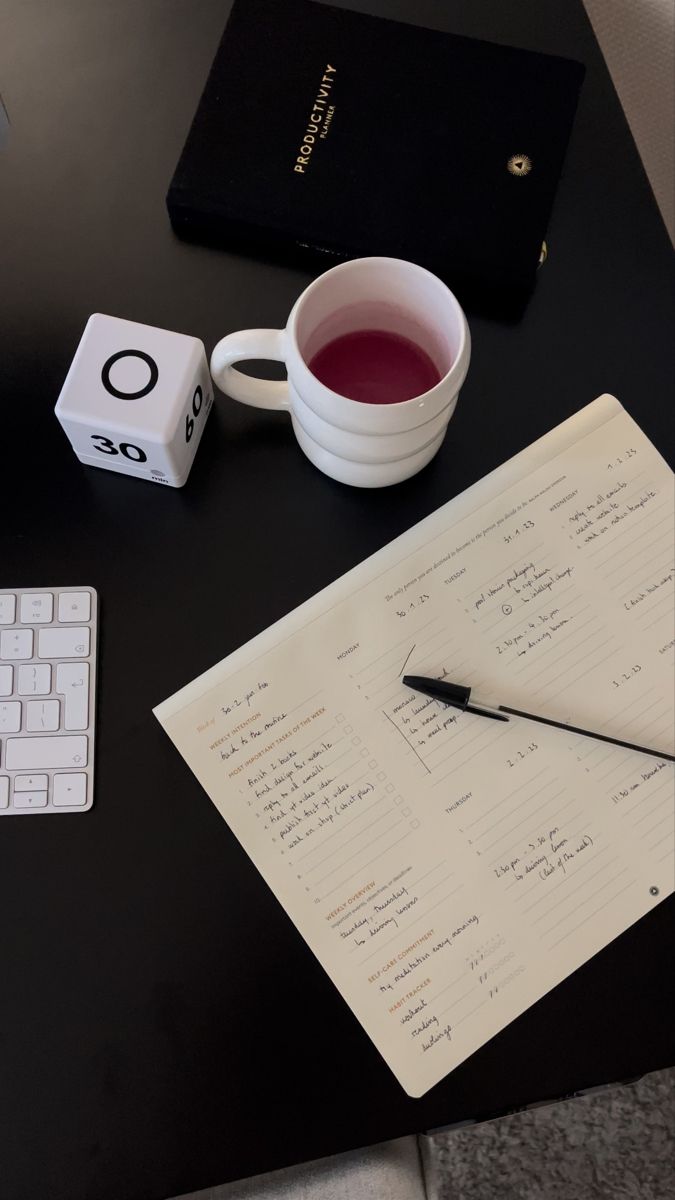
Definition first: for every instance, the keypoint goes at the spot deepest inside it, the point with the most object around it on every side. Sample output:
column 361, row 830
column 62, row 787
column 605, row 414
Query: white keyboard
column 47, row 692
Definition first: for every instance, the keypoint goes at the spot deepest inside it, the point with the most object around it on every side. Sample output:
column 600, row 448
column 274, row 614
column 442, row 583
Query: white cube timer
column 136, row 399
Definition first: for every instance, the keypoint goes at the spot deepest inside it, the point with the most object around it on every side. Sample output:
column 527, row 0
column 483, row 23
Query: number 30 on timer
column 135, row 453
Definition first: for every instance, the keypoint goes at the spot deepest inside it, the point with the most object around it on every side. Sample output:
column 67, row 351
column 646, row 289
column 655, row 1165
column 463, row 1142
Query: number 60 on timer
column 135, row 399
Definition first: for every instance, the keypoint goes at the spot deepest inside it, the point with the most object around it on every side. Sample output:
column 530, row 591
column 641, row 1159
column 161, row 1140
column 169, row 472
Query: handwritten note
column 448, row 870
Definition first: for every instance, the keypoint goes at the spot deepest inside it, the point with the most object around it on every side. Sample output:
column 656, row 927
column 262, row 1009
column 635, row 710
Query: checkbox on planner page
column 348, row 728
column 356, row 741
column 364, row 751
column 339, row 716
column 406, row 812
column 397, row 799
column 372, row 764
column 381, row 775
column 414, row 824
column 390, row 788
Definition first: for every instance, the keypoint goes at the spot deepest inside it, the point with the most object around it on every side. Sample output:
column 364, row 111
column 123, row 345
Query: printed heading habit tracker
column 447, row 871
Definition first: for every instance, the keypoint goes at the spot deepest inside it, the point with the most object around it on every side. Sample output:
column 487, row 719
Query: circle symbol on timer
column 130, row 374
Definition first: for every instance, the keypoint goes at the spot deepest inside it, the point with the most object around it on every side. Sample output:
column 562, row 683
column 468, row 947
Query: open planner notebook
column 448, row 870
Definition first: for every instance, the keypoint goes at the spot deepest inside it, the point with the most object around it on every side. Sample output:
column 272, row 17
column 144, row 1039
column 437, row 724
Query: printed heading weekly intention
column 448, row 870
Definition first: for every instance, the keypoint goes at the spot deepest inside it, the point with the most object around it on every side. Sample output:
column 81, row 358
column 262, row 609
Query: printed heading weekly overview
column 448, row 870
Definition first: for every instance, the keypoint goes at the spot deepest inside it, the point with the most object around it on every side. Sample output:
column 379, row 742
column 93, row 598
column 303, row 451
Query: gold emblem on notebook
column 519, row 164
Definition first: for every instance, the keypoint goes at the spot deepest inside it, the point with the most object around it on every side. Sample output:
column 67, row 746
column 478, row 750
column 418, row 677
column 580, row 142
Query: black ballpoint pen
column 459, row 696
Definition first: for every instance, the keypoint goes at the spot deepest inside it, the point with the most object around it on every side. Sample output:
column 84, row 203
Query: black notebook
column 325, row 134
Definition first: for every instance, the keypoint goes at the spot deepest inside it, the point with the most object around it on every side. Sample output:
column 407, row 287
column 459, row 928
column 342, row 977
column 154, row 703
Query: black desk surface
column 162, row 1024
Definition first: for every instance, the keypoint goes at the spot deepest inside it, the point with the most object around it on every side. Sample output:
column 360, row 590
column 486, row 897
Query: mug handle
column 251, row 343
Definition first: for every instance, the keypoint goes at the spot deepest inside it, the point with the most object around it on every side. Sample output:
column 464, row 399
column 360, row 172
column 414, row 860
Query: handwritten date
column 629, row 452
column 511, row 537
column 416, row 603
column 521, row 754
column 626, row 676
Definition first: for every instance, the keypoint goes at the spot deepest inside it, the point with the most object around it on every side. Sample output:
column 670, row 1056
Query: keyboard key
column 37, row 608
column 35, row 679
column 16, row 643
column 72, row 681
column 50, row 753
column 7, row 609
column 30, row 799
column 30, row 783
column 63, row 642
column 69, row 789
column 10, row 717
column 47, row 667
column 42, row 716
column 74, row 606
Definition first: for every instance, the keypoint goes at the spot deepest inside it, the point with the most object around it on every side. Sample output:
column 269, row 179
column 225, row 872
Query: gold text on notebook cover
column 319, row 120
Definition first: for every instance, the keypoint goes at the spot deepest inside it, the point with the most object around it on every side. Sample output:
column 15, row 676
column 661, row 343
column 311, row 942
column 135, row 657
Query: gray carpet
column 617, row 1144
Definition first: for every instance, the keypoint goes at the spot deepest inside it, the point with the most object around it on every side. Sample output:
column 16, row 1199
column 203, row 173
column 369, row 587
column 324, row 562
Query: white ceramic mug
column 368, row 445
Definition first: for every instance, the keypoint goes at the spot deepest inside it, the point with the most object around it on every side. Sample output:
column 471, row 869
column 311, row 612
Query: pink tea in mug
column 375, row 366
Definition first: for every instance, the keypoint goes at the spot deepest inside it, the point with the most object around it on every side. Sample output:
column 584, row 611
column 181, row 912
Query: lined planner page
column 448, row 870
